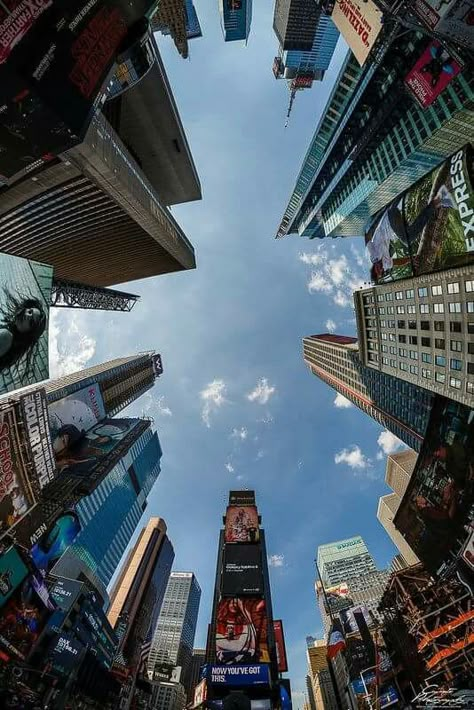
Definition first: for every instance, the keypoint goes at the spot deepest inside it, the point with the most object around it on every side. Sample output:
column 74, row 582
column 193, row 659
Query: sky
column 236, row 407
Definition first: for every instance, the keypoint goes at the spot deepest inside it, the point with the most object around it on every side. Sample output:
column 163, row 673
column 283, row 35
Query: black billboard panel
column 242, row 498
column 242, row 574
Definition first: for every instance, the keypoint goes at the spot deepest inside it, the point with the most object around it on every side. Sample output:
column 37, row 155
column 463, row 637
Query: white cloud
column 313, row 259
column 388, row 442
column 241, row 433
column 336, row 277
column 261, row 392
column 318, row 282
column 162, row 408
column 213, row 396
column 338, row 270
column 353, row 457
column 276, row 560
column 360, row 261
column 342, row 402
column 341, row 299
column 330, row 325
column 70, row 348
column 260, row 454
column 229, row 467
column 267, row 419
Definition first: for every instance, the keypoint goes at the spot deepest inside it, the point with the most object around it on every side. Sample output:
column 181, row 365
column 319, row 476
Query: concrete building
column 167, row 696
column 421, row 330
column 236, row 18
column 402, row 407
column 320, row 677
column 295, row 22
column 99, row 212
column 373, row 141
column 313, row 63
column 179, row 19
column 197, row 661
column 399, row 469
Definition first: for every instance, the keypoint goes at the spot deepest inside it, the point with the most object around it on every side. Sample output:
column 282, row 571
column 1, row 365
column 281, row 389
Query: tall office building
column 421, row 330
column 295, row 22
column 399, row 468
column 98, row 213
column 236, row 18
column 111, row 513
column 197, row 661
column 320, row 676
column 179, row 19
column 373, row 141
column 312, row 64
column 138, row 593
column 173, row 639
column 402, row 407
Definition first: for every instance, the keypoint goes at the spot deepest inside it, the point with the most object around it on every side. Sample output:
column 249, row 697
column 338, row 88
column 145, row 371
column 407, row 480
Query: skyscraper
column 295, row 22
column 236, row 18
column 310, row 64
column 179, row 19
column 399, row 468
column 344, row 559
column 321, row 684
column 403, row 408
column 173, row 639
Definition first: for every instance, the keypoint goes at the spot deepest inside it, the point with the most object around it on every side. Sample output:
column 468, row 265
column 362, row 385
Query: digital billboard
column 280, row 646
column 25, row 293
column 22, row 619
column 431, row 74
column 34, row 407
column 223, row 675
column 349, row 618
column 360, row 23
column 468, row 551
column 64, row 592
column 72, row 416
column 55, row 541
column 242, row 631
column 436, row 508
column 242, row 573
column 66, row 653
column 241, row 524
column 452, row 18
column 12, row 573
column 427, row 228
column 336, row 597
column 242, row 498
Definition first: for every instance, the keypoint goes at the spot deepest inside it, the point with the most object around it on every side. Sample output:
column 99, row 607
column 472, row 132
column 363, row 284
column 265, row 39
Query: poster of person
column 431, row 74
column 55, row 541
column 427, row 228
column 242, row 631
column 454, row 19
column 25, row 292
column 72, row 416
column 241, row 524
column 436, row 510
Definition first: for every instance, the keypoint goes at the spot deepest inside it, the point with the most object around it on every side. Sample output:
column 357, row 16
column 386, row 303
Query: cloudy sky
column 236, row 406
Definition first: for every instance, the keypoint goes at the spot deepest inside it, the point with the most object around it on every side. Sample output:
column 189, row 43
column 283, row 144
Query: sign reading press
column 256, row 674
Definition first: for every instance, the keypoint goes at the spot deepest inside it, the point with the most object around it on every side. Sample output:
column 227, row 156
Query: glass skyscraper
column 236, row 18
column 317, row 59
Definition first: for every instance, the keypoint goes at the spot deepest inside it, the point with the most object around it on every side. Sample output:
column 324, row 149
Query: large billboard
column 55, row 541
column 452, row 18
column 360, row 23
column 280, row 646
column 34, row 407
column 241, row 524
column 22, row 619
column 72, row 416
column 241, row 675
column 66, row 653
column 350, row 618
column 435, row 511
column 427, row 228
column 242, row 573
column 242, row 631
column 12, row 573
column 433, row 71
column 65, row 591
column 25, row 293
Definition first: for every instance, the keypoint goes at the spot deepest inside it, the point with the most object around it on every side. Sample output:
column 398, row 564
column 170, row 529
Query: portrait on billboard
column 435, row 510
column 25, row 291
column 55, row 541
column 241, row 631
column 429, row 227
column 241, row 524
column 433, row 71
column 72, row 416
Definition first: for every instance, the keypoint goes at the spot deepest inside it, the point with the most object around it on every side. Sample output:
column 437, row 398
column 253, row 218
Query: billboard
column 336, row 597
column 452, row 18
column 360, row 23
column 22, row 619
column 242, row 631
column 246, row 675
column 436, row 508
column 431, row 74
column 12, row 573
column 349, row 618
column 72, row 416
column 25, row 294
column 427, row 228
column 55, row 541
column 242, row 498
column 64, row 592
column 34, row 407
column 200, row 693
column 468, row 551
column 242, row 574
column 16, row 494
column 65, row 653
column 280, row 646
column 241, row 524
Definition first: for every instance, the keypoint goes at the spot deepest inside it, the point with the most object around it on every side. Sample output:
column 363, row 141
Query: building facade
column 421, row 330
column 373, row 141
column 295, row 22
column 169, row 20
column 320, row 676
column 168, row 696
column 399, row 468
column 402, row 407
column 197, row 661
column 313, row 63
column 236, row 18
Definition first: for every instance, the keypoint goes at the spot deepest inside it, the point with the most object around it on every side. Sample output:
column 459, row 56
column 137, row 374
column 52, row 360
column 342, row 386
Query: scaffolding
column 70, row 294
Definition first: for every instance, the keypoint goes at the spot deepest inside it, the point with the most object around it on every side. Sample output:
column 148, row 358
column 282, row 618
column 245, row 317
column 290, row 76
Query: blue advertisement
column 12, row 573
column 239, row 675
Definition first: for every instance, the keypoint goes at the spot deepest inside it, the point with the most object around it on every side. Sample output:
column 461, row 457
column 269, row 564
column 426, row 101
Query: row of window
column 436, row 290
column 439, row 377
column 438, row 325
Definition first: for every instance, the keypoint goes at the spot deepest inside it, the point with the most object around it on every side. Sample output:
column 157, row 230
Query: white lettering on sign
column 462, row 196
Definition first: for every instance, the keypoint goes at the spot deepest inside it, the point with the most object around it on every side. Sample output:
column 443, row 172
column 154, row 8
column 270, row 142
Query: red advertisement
column 431, row 74
column 241, row 524
column 241, row 631
column 16, row 18
column 280, row 646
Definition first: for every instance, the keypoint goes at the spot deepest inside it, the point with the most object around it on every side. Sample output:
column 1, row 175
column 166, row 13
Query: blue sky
column 236, row 405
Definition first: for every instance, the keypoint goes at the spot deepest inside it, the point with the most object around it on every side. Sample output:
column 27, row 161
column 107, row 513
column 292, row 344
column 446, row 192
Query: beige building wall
column 399, row 469
column 388, row 506
column 320, row 676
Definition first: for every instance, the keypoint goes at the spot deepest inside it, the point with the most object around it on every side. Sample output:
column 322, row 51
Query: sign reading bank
column 256, row 674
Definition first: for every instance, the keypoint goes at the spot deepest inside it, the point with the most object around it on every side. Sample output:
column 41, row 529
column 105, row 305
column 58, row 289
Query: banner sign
column 242, row 631
column 431, row 74
column 430, row 227
column 349, row 618
column 239, row 675
column 242, row 498
column 66, row 653
column 65, row 592
column 452, row 18
column 12, row 573
column 241, row 524
column 55, row 541
column 72, row 416
column 242, row 574
column 34, row 406
column 280, row 646
column 157, row 365
column 360, row 23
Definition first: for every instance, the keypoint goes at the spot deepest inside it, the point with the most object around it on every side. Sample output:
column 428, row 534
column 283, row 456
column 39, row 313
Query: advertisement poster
column 16, row 494
column 241, row 498
column 242, row 574
column 239, row 675
column 22, row 619
column 72, row 416
column 12, row 573
column 468, row 552
column 336, row 597
column 349, row 618
column 452, row 18
column 241, row 631
column 66, row 653
column 55, row 541
column 435, row 509
column 280, row 646
column 429, row 227
column 25, row 292
column 360, row 23
column 34, row 407
column 64, row 592
column 241, row 524
column 431, row 74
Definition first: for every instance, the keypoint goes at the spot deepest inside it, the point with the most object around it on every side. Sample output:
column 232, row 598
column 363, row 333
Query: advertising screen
column 242, row 631
column 72, row 416
column 22, row 619
column 349, row 618
column 436, row 506
column 16, row 494
column 280, row 646
column 200, row 693
column 427, row 228
column 223, row 675
column 336, row 597
column 242, row 498
column 241, row 524
column 431, row 74
column 360, row 23
column 65, row 592
column 242, row 574
column 55, row 541
column 468, row 552
column 34, row 407
column 12, row 573
column 65, row 653
column 25, row 293
column 452, row 18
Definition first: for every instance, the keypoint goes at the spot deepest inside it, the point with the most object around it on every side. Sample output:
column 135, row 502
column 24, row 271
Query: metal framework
column 71, row 294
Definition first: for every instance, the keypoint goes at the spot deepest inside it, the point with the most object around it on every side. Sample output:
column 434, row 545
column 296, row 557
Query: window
column 400, row 309
column 440, row 360
column 425, row 325
column 391, row 336
column 389, row 296
column 437, row 290
column 440, row 377
column 413, row 355
column 470, row 368
column 426, row 342
column 402, row 352
column 426, row 357
column 470, row 387
column 390, row 310
column 393, row 363
column 398, row 295
column 411, row 308
column 402, row 338
column 470, row 328
column 383, row 323
column 391, row 324
column 469, row 286
column 455, row 364
column 410, row 293
column 413, row 340
column 422, row 292
column 393, row 350
column 385, row 360
column 400, row 323
column 384, row 336
column 426, row 373
column 412, row 324
column 440, row 343
column 414, row 369
column 380, row 298
column 382, row 311
column 403, row 366
column 470, row 348
column 384, row 348
column 470, row 306
column 424, row 308
column 456, row 346
column 453, row 287
column 438, row 307
column 455, row 327
column 455, row 383
column 454, row 307
column 439, row 325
